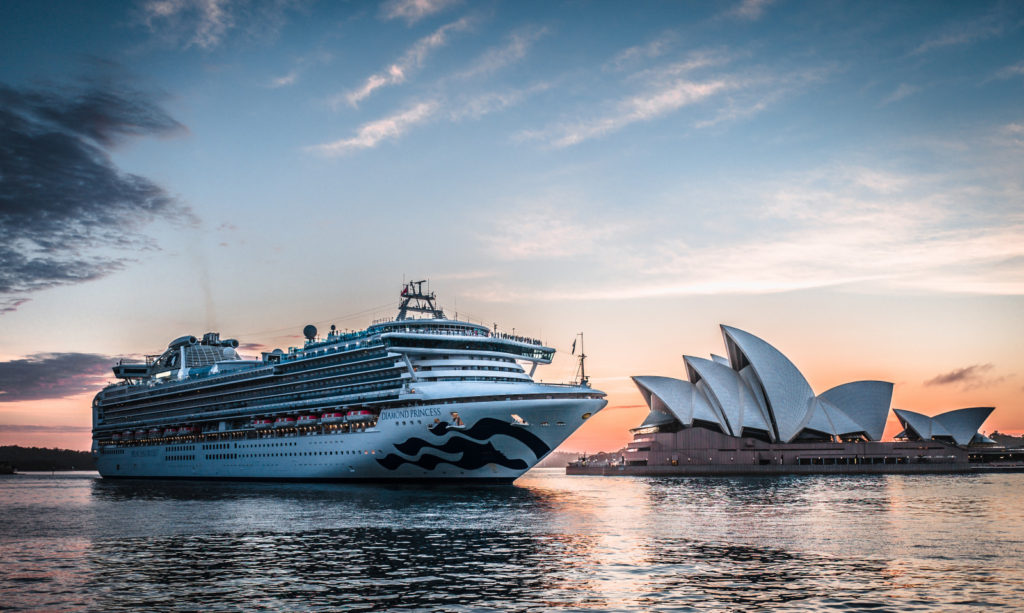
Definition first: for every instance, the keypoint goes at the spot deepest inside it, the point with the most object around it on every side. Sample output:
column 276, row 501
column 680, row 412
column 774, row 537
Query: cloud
column 412, row 59
column 993, row 25
column 751, row 10
column 52, row 375
column 549, row 227
column 665, row 89
column 496, row 58
column 200, row 23
column 475, row 107
column 648, row 51
column 62, row 200
column 205, row 23
column 900, row 93
column 371, row 134
column 968, row 377
column 1009, row 72
column 301, row 64
column 413, row 10
column 285, row 80
column 643, row 106
column 38, row 429
column 835, row 227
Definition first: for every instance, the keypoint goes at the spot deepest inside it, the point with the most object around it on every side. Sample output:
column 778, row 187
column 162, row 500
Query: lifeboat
column 332, row 418
column 261, row 423
column 361, row 415
column 140, row 434
column 115, row 436
column 128, row 435
column 170, row 431
column 284, row 422
column 186, row 430
column 154, row 433
column 308, row 420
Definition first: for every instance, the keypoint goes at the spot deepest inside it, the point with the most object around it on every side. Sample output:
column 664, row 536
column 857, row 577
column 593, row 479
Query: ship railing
column 470, row 332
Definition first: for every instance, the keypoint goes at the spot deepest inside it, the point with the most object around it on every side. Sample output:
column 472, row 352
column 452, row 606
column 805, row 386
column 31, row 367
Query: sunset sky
column 843, row 179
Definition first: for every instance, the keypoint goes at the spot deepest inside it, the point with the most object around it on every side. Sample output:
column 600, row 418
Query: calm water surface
column 898, row 543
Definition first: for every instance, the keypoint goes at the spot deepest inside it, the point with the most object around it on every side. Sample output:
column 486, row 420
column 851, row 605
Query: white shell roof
column 865, row 402
column 963, row 424
column 789, row 396
column 680, row 397
column 724, row 385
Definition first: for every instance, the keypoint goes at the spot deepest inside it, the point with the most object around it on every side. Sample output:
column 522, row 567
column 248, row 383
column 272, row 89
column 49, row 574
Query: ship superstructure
column 425, row 397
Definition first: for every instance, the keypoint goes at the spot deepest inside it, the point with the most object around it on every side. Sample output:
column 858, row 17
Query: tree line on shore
column 14, row 457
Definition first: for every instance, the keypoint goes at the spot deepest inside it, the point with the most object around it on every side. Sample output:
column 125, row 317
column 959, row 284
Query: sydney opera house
column 754, row 408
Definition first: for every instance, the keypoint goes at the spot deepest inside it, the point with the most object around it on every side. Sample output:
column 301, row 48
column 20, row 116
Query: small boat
column 186, row 430
column 154, row 433
column 332, row 418
column 308, row 420
column 140, row 434
column 170, row 431
column 261, row 423
column 115, row 436
column 284, row 422
column 128, row 435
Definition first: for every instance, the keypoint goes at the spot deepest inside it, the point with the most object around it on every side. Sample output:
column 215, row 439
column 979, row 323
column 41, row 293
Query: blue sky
column 846, row 173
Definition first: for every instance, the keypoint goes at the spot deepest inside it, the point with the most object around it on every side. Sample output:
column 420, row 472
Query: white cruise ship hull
column 497, row 441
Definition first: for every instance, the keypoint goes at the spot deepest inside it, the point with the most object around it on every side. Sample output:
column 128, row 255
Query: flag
column 573, row 347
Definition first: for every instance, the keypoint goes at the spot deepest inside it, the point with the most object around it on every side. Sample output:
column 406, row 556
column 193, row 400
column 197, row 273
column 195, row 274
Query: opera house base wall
column 698, row 451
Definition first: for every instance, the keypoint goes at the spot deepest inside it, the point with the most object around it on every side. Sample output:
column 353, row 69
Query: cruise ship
column 420, row 396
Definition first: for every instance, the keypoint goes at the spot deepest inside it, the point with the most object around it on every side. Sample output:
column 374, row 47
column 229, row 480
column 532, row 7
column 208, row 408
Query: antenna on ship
column 581, row 371
column 414, row 299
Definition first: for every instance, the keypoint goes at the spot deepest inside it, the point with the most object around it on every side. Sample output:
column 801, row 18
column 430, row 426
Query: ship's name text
column 410, row 413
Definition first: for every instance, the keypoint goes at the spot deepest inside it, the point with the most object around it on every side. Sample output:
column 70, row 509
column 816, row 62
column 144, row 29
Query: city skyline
column 841, row 179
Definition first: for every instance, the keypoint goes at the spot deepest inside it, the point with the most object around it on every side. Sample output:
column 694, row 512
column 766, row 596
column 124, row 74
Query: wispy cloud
column 1009, row 72
column 904, row 90
column 206, row 23
column 301, row 64
column 967, row 378
column 851, row 227
column 412, row 11
column 372, row 133
column 750, row 10
column 992, row 25
column 40, row 429
column 647, row 51
column 512, row 51
column 412, row 59
column 476, row 106
column 656, row 101
column 548, row 230
column 285, row 80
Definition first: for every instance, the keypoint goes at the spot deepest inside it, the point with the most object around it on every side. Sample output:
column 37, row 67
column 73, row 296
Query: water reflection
column 548, row 542
column 358, row 569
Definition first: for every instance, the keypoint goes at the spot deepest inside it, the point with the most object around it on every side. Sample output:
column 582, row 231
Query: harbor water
column 73, row 541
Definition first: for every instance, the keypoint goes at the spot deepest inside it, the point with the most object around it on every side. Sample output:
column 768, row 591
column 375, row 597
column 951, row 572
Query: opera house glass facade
column 754, row 406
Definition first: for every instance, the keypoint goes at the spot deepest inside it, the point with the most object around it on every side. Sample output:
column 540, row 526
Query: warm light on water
column 73, row 541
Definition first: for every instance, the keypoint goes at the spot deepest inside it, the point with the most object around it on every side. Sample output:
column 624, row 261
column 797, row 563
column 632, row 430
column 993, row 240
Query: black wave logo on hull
column 474, row 455
column 488, row 426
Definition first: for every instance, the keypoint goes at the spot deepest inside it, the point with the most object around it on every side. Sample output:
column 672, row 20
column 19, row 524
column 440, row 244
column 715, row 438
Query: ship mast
column 581, row 371
column 416, row 301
